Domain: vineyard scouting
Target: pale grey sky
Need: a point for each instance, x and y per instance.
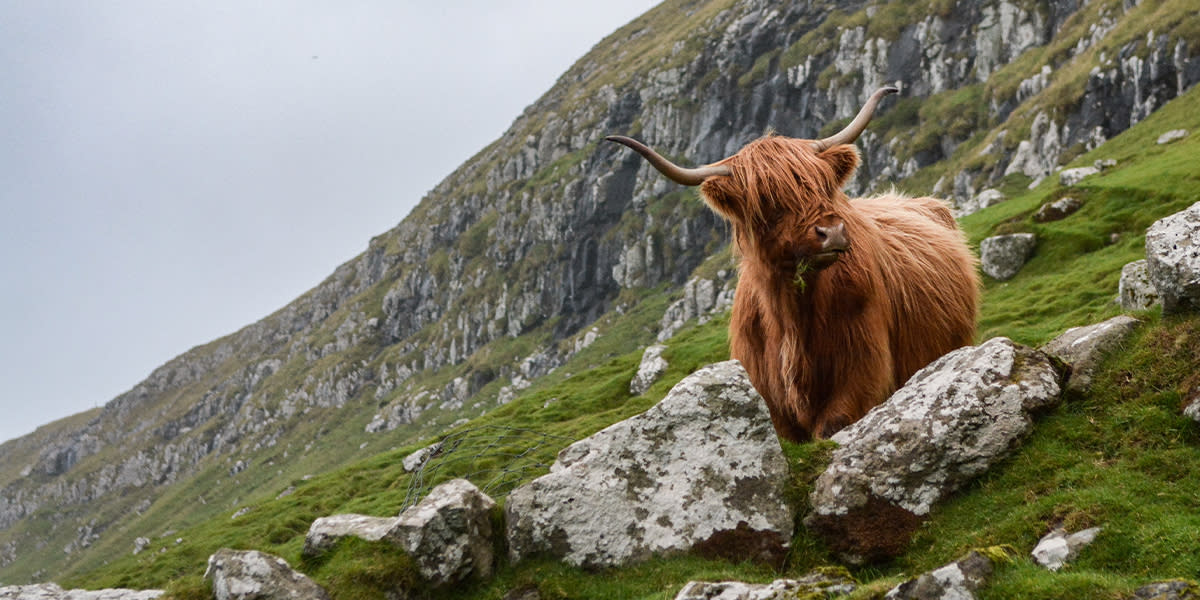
(173, 171)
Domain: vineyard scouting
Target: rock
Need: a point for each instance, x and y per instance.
(1037, 156)
(700, 297)
(140, 544)
(1173, 260)
(417, 459)
(990, 197)
(986, 198)
(254, 575)
(1069, 177)
(700, 471)
(1135, 291)
(958, 580)
(1057, 210)
(952, 420)
(1084, 347)
(1002, 256)
(1056, 548)
(529, 592)
(1177, 589)
(326, 531)
(449, 533)
(653, 366)
(818, 584)
(1192, 410)
(52, 591)
(1172, 135)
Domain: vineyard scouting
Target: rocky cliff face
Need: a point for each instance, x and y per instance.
(548, 228)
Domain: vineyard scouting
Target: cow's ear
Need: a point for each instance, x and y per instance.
(719, 200)
(844, 159)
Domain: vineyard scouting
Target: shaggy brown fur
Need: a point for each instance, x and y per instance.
(825, 344)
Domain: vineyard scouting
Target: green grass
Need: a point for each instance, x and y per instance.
(1122, 458)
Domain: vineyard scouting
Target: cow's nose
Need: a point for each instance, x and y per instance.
(833, 238)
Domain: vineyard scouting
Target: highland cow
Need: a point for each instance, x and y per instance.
(839, 301)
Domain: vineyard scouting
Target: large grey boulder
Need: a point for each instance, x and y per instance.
(702, 470)
(1173, 260)
(52, 591)
(254, 575)
(652, 367)
(1002, 256)
(448, 533)
(952, 421)
(1084, 347)
(814, 585)
(958, 580)
(1135, 291)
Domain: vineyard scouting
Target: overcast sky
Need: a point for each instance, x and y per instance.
(173, 171)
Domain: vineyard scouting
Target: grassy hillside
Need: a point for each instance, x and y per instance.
(1123, 457)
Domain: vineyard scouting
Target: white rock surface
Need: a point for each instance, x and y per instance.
(652, 367)
(1135, 291)
(1084, 347)
(958, 580)
(1192, 410)
(1058, 547)
(1002, 256)
(1172, 135)
(326, 531)
(816, 583)
(1037, 156)
(52, 591)
(1173, 260)
(986, 198)
(417, 459)
(701, 297)
(254, 575)
(449, 533)
(953, 419)
(1073, 176)
(702, 470)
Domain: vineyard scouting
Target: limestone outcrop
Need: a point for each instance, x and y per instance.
(700, 471)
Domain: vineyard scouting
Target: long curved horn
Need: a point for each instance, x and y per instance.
(856, 127)
(672, 171)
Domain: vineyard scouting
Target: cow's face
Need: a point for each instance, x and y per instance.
(784, 202)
